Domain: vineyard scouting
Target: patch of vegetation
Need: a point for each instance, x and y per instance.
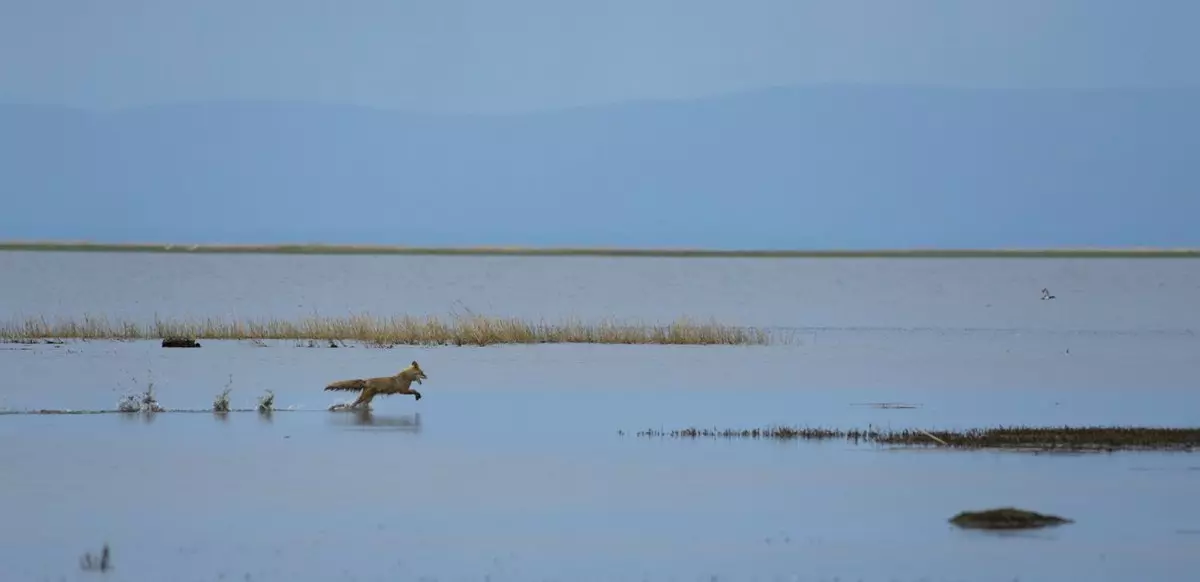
(459, 330)
(266, 403)
(1006, 518)
(1099, 438)
(1064, 437)
(221, 402)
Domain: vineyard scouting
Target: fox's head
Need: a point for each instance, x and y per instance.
(415, 372)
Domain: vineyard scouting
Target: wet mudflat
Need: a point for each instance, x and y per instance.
(513, 466)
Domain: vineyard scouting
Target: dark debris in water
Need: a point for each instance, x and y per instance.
(180, 342)
(1006, 518)
(1099, 438)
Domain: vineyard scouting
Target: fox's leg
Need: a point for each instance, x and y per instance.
(415, 393)
(364, 398)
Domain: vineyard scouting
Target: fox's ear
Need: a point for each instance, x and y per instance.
(415, 364)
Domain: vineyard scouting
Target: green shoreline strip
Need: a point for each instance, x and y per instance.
(321, 249)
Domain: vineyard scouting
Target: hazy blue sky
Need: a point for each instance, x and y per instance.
(493, 55)
(863, 166)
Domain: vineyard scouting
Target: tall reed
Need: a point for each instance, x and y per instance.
(473, 330)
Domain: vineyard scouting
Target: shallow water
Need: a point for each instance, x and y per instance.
(1092, 294)
(512, 467)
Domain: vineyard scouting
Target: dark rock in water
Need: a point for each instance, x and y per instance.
(1006, 518)
(179, 342)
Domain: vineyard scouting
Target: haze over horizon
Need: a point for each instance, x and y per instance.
(769, 124)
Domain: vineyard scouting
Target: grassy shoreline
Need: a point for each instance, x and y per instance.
(330, 249)
(475, 330)
(1018, 438)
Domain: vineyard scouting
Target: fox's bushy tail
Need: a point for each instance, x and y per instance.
(355, 385)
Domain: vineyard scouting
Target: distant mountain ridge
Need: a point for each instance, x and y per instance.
(815, 167)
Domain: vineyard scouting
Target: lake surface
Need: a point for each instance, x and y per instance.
(512, 466)
(1134, 295)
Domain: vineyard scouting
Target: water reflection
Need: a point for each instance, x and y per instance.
(355, 419)
(142, 416)
(1047, 534)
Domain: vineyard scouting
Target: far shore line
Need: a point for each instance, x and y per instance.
(338, 249)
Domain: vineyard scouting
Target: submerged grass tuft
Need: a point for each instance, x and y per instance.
(1097, 438)
(471, 330)
(221, 402)
(266, 402)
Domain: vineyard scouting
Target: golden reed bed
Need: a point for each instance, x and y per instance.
(473, 330)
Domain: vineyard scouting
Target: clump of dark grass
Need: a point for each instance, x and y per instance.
(1057, 437)
(1006, 518)
(266, 403)
(459, 330)
(221, 402)
(1100, 438)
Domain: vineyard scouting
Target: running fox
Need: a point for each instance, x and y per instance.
(369, 388)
